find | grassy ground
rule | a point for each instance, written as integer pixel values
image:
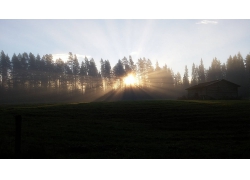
(129, 129)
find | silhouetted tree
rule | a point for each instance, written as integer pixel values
(178, 85)
(167, 79)
(32, 69)
(125, 63)
(247, 63)
(132, 65)
(195, 75)
(119, 69)
(5, 68)
(61, 85)
(236, 72)
(186, 78)
(157, 67)
(75, 71)
(214, 71)
(142, 71)
(28, 75)
(223, 71)
(83, 76)
(201, 73)
(15, 72)
(93, 74)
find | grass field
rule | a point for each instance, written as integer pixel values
(129, 129)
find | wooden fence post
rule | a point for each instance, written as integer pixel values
(18, 120)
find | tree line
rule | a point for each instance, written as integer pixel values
(236, 69)
(26, 76)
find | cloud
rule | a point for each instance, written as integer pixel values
(79, 56)
(65, 56)
(207, 22)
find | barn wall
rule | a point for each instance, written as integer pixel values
(193, 93)
(222, 90)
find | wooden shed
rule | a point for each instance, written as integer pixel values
(218, 89)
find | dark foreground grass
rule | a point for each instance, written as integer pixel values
(129, 129)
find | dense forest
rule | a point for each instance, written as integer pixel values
(29, 78)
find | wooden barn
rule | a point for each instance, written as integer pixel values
(218, 89)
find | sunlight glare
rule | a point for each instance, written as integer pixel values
(130, 80)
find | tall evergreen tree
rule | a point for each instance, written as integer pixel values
(185, 78)
(119, 70)
(15, 72)
(83, 76)
(24, 69)
(49, 69)
(5, 68)
(60, 75)
(102, 68)
(107, 68)
(236, 72)
(32, 70)
(132, 65)
(125, 63)
(75, 66)
(247, 63)
(75, 71)
(194, 78)
(214, 71)
(157, 67)
(224, 71)
(92, 68)
(201, 73)
(142, 71)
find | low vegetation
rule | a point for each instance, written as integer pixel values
(129, 129)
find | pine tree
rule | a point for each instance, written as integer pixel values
(24, 70)
(142, 71)
(102, 68)
(201, 73)
(125, 63)
(224, 71)
(83, 76)
(5, 68)
(132, 65)
(194, 78)
(107, 68)
(186, 78)
(15, 72)
(247, 64)
(32, 69)
(93, 74)
(59, 72)
(178, 85)
(157, 67)
(214, 71)
(230, 69)
(119, 70)
(49, 69)
(75, 71)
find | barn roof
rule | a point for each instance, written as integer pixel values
(202, 85)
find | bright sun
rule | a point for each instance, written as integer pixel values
(130, 80)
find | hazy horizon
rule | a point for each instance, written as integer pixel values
(175, 43)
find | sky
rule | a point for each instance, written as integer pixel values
(174, 42)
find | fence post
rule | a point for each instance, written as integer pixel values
(18, 120)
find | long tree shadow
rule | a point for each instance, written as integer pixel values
(112, 95)
(135, 93)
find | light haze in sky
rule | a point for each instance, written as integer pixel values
(174, 42)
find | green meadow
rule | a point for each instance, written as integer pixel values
(157, 129)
